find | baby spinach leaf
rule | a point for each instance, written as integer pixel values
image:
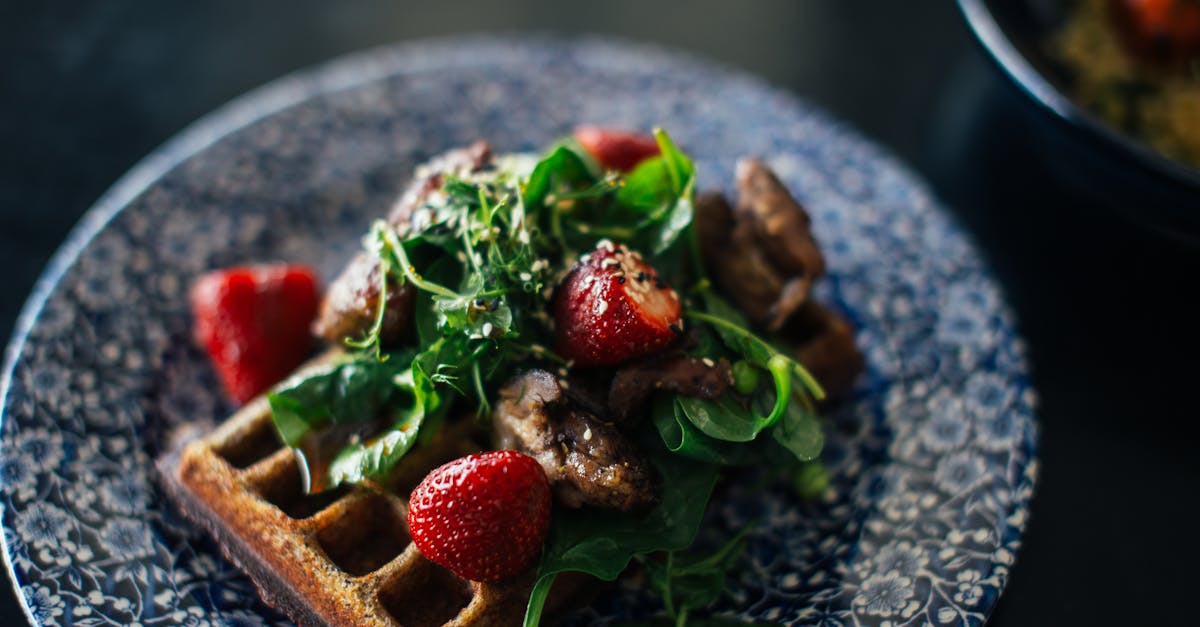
(800, 432)
(353, 390)
(376, 457)
(683, 438)
(562, 167)
(602, 543)
(722, 419)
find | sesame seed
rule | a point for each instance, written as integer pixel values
(583, 228)
(562, 372)
(525, 276)
(587, 434)
(708, 362)
(537, 348)
(487, 329)
(562, 383)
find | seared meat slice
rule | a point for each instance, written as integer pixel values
(634, 383)
(349, 307)
(782, 225)
(826, 348)
(766, 257)
(430, 177)
(588, 461)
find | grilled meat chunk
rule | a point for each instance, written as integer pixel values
(767, 256)
(633, 384)
(825, 346)
(588, 461)
(430, 177)
(351, 304)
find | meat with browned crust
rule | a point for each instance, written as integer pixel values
(349, 308)
(764, 255)
(588, 461)
(634, 383)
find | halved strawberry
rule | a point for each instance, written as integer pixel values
(613, 307)
(483, 516)
(616, 149)
(254, 323)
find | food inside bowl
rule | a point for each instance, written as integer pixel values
(1136, 63)
(607, 340)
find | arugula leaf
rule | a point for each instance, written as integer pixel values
(602, 543)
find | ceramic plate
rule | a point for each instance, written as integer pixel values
(932, 460)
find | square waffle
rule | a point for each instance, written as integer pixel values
(342, 557)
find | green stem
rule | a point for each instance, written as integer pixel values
(372, 338)
(466, 235)
(537, 600)
(668, 600)
(410, 273)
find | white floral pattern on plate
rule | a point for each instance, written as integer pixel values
(932, 459)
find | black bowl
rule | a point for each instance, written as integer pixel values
(1106, 166)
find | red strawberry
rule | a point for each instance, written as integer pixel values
(483, 516)
(254, 323)
(614, 149)
(612, 307)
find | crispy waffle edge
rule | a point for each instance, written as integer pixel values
(285, 556)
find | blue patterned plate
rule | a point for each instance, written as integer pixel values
(932, 460)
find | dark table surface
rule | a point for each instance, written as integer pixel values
(1110, 313)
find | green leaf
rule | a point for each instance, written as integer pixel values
(350, 391)
(683, 438)
(562, 167)
(376, 457)
(722, 419)
(662, 188)
(800, 432)
(679, 167)
(602, 543)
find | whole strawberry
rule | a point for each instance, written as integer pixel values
(483, 516)
(254, 323)
(613, 307)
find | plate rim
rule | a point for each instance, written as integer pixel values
(362, 67)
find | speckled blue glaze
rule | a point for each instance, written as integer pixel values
(932, 459)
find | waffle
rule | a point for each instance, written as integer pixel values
(337, 558)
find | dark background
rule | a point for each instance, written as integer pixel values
(1110, 313)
